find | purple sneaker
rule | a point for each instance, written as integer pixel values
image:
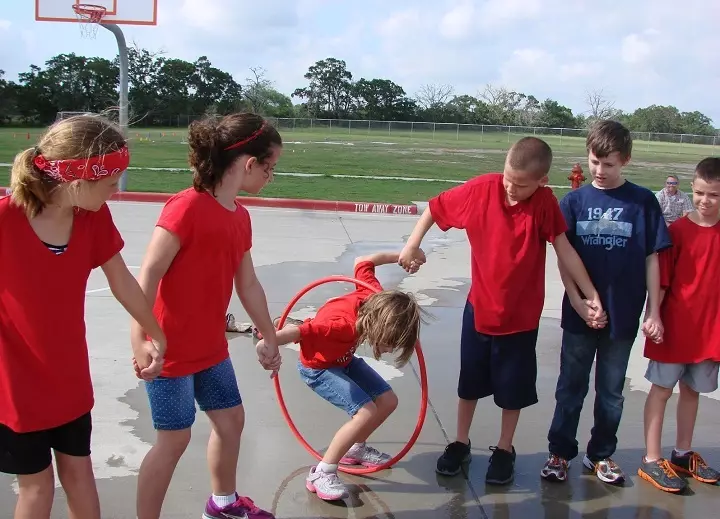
(242, 508)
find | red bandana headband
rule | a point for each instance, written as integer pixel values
(254, 135)
(90, 168)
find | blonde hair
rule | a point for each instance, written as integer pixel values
(76, 137)
(390, 318)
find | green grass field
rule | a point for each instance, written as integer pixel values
(324, 152)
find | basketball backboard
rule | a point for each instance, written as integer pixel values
(122, 12)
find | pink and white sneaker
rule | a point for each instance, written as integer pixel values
(242, 508)
(362, 454)
(327, 485)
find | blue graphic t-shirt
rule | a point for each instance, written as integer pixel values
(613, 232)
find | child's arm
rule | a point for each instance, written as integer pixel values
(653, 326)
(127, 291)
(252, 296)
(379, 258)
(161, 251)
(593, 317)
(568, 256)
(411, 252)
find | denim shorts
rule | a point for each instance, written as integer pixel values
(348, 388)
(172, 400)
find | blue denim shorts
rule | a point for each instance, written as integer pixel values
(349, 388)
(172, 400)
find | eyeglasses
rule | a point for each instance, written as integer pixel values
(671, 183)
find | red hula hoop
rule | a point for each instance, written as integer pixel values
(423, 387)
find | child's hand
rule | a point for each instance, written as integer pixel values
(591, 312)
(268, 356)
(411, 258)
(653, 328)
(148, 359)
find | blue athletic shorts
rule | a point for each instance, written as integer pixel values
(504, 366)
(172, 400)
(349, 388)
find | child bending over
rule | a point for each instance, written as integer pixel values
(390, 322)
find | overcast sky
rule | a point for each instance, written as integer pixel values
(639, 52)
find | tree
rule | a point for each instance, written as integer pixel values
(330, 93)
(555, 115)
(599, 107)
(383, 100)
(432, 101)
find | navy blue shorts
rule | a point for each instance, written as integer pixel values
(504, 366)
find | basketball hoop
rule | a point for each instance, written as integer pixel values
(89, 17)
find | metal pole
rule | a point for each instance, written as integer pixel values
(123, 104)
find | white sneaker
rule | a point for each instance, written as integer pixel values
(326, 485)
(366, 456)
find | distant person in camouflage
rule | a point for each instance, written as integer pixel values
(674, 203)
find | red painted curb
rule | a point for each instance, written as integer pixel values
(283, 203)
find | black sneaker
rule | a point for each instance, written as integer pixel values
(502, 467)
(693, 465)
(457, 453)
(661, 475)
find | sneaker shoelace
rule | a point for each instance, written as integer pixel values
(667, 469)
(247, 503)
(556, 461)
(696, 462)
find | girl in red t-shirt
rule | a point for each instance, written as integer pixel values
(55, 228)
(389, 321)
(199, 249)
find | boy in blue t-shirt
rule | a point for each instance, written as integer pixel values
(617, 228)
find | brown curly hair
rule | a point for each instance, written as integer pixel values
(209, 139)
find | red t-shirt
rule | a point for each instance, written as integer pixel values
(329, 339)
(44, 367)
(508, 248)
(690, 274)
(194, 294)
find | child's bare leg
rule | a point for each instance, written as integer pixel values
(348, 434)
(78, 480)
(508, 425)
(36, 492)
(157, 469)
(687, 409)
(655, 405)
(224, 448)
(466, 412)
(385, 406)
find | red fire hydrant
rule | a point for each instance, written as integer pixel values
(576, 177)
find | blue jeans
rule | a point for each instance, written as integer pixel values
(348, 388)
(172, 400)
(576, 360)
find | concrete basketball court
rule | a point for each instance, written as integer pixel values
(292, 248)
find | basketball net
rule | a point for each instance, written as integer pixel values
(89, 17)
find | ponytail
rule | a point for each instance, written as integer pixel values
(30, 189)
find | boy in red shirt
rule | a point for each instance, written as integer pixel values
(508, 218)
(55, 229)
(688, 352)
(389, 321)
(199, 249)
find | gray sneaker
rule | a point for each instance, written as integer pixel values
(326, 485)
(606, 470)
(362, 454)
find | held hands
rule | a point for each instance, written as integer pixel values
(653, 328)
(591, 311)
(268, 356)
(148, 358)
(411, 258)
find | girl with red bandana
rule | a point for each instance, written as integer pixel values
(55, 228)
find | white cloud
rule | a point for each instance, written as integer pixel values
(640, 52)
(636, 49)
